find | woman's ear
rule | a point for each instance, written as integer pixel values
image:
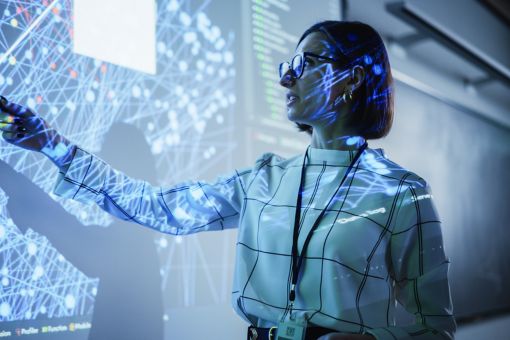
(357, 77)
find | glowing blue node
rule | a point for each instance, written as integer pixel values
(31, 102)
(172, 6)
(38, 272)
(70, 105)
(185, 19)
(136, 91)
(189, 37)
(90, 96)
(70, 301)
(5, 309)
(377, 69)
(183, 66)
(353, 140)
(31, 249)
(161, 47)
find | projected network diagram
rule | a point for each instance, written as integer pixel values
(36, 279)
(180, 94)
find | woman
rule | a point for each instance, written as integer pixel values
(329, 240)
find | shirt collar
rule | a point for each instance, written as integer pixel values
(335, 156)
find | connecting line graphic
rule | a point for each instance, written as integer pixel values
(184, 119)
(27, 31)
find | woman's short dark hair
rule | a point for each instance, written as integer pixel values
(372, 102)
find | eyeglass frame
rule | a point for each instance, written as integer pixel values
(303, 55)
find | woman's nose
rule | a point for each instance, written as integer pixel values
(288, 79)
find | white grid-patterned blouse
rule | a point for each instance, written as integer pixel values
(379, 243)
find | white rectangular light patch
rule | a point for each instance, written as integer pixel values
(121, 32)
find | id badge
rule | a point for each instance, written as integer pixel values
(291, 329)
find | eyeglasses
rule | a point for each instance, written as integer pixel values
(297, 64)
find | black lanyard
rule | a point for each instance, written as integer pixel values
(298, 261)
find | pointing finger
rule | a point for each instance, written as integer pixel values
(13, 108)
(12, 136)
(6, 127)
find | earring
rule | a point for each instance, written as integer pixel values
(347, 94)
(345, 97)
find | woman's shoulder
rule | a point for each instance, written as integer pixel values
(378, 163)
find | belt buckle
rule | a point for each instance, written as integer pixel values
(270, 333)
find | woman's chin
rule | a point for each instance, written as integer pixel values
(296, 116)
(292, 114)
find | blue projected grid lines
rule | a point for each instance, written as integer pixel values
(185, 111)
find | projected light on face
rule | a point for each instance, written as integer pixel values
(343, 86)
(312, 92)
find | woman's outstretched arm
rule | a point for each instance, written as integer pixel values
(184, 208)
(180, 209)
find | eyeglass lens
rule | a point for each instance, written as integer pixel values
(296, 66)
(284, 67)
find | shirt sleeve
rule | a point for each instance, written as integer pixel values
(186, 208)
(419, 270)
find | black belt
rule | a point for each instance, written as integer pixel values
(312, 333)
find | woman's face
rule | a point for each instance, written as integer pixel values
(311, 97)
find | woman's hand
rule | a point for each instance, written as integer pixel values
(22, 127)
(343, 336)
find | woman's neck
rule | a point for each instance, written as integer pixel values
(335, 140)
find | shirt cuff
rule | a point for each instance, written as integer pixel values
(83, 179)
